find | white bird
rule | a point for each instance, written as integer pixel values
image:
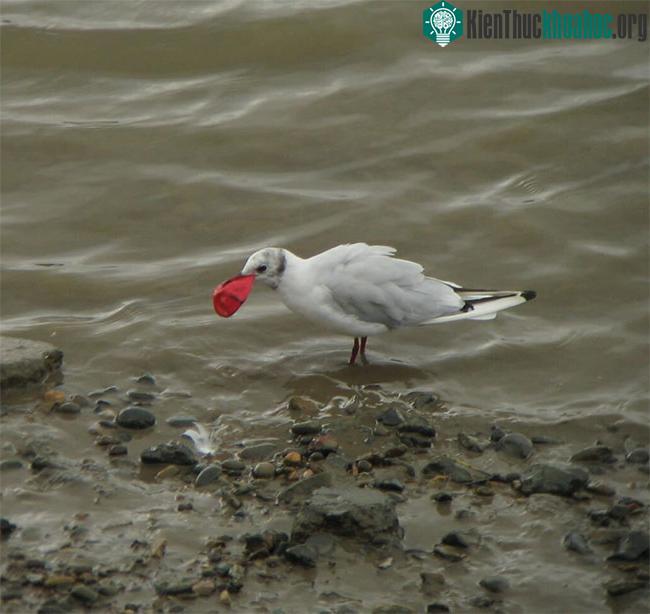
(361, 290)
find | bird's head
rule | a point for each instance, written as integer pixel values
(267, 265)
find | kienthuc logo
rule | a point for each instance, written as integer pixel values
(442, 23)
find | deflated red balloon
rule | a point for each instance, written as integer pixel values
(229, 296)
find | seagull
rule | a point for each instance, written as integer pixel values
(361, 290)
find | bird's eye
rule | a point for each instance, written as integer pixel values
(261, 268)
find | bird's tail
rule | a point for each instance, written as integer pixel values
(484, 304)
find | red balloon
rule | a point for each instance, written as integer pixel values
(229, 296)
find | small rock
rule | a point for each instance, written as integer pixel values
(395, 452)
(553, 479)
(442, 497)
(460, 539)
(638, 455)
(422, 399)
(386, 563)
(68, 407)
(600, 488)
(515, 445)
(481, 601)
(301, 405)
(447, 553)
(6, 527)
(595, 454)
(302, 554)
(208, 475)
(264, 470)
(364, 466)
(224, 597)
(135, 418)
(484, 491)
(496, 433)
(232, 466)
(622, 587)
(391, 417)
(146, 378)
(495, 584)
(433, 608)
(326, 444)
(118, 450)
(576, 542)
(316, 457)
(186, 506)
(417, 424)
(204, 588)
(57, 580)
(544, 440)
(432, 583)
(470, 443)
(393, 485)
(310, 427)
(293, 458)
(140, 396)
(173, 587)
(40, 462)
(258, 452)
(84, 593)
(181, 421)
(443, 465)
(632, 547)
(10, 464)
(171, 453)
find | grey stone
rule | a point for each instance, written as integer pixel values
(146, 378)
(66, 408)
(460, 539)
(594, 454)
(443, 465)
(171, 453)
(85, 594)
(351, 512)
(264, 470)
(495, 584)
(553, 479)
(6, 527)
(448, 553)
(496, 433)
(433, 608)
(140, 396)
(24, 362)
(301, 405)
(364, 466)
(616, 588)
(10, 464)
(515, 445)
(638, 455)
(544, 440)
(391, 417)
(103, 391)
(415, 440)
(174, 587)
(302, 554)
(576, 542)
(258, 452)
(310, 427)
(481, 601)
(118, 450)
(208, 475)
(470, 443)
(232, 466)
(423, 399)
(181, 421)
(392, 485)
(135, 418)
(417, 424)
(632, 547)
(304, 488)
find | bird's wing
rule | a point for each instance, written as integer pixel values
(366, 282)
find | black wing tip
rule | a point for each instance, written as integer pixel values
(529, 295)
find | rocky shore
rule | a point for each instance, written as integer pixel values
(392, 504)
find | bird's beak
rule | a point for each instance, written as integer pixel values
(229, 296)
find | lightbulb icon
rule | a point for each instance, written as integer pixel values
(442, 22)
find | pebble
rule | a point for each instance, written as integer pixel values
(66, 408)
(419, 425)
(470, 443)
(58, 580)
(181, 421)
(460, 539)
(264, 470)
(84, 593)
(173, 587)
(140, 396)
(544, 440)
(484, 491)
(638, 455)
(395, 452)
(600, 488)
(391, 417)
(442, 497)
(622, 587)
(576, 542)
(433, 608)
(310, 427)
(553, 479)
(481, 601)
(100, 393)
(316, 457)
(258, 452)
(594, 454)
(171, 453)
(445, 466)
(495, 584)
(293, 458)
(432, 582)
(54, 396)
(185, 507)
(516, 445)
(224, 597)
(422, 399)
(208, 475)
(326, 444)
(232, 466)
(364, 466)
(118, 450)
(302, 554)
(301, 405)
(632, 547)
(146, 378)
(6, 527)
(391, 485)
(447, 553)
(10, 464)
(203, 588)
(496, 433)
(135, 418)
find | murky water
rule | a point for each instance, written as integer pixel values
(149, 147)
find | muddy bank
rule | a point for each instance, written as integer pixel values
(375, 499)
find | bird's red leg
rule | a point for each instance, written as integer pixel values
(355, 350)
(364, 340)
